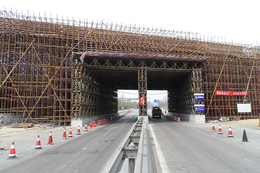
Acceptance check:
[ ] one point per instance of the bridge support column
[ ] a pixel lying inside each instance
(197, 88)
(142, 90)
(197, 80)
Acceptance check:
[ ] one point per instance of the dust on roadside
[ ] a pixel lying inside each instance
(249, 123)
(6, 131)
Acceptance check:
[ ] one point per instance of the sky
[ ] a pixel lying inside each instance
(152, 95)
(234, 21)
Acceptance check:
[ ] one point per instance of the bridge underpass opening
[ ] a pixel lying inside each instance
(128, 99)
(102, 76)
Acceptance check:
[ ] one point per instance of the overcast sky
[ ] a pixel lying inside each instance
(236, 20)
(152, 95)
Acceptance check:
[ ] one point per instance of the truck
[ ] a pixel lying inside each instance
(157, 112)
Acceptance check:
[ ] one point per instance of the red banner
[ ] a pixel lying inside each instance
(230, 93)
(141, 101)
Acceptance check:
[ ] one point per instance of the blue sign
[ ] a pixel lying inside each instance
(156, 101)
(199, 107)
(198, 96)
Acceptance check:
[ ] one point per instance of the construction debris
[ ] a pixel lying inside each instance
(3, 148)
(21, 125)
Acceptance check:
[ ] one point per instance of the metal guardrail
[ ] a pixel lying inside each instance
(143, 159)
(135, 155)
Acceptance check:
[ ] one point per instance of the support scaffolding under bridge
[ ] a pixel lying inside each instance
(43, 79)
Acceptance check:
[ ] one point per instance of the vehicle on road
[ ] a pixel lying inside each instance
(157, 112)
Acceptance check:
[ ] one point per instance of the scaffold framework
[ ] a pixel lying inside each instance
(44, 78)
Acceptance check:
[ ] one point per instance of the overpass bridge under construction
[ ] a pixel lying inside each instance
(53, 70)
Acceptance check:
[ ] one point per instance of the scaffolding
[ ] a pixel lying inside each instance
(43, 79)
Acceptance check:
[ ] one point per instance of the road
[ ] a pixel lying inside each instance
(177, 147)
(190, 147)
(88, 153)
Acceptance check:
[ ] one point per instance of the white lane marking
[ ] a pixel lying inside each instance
(247, 160)
(161, 158)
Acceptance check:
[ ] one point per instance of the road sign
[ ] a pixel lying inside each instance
(198, 96)
(243, 107)
(199, 107)
(156, 101)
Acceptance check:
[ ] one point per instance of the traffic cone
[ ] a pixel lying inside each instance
(93, 124)
(70, 133)
(213, 128)
(38, 143)
(179, 119)
(219, 129)
(98, 124)
(86, 127)
(101, 121)
(78, 131)
(64, 134)
(244, 139)
(12, 151)
(50, 139)
(230, 134)
(111, 118)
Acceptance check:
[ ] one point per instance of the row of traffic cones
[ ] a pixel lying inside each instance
(230, 133)
(178, 119)
(12, 153)
(50, 141)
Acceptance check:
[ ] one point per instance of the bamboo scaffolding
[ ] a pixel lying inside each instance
(40, 76)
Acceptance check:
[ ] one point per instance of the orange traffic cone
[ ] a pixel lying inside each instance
(98, 124)
(94, 124)
(78, 132)
(86, 127)
(70, 133)
(213, 128)
(64, 134)
(50, 139)
(12, 151)
(101, 121)
(111, 118)
(219, 129)
(230, 134)
(179, 119)
(38, 143)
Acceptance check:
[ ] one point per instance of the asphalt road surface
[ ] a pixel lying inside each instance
(88, 153)
(191, 147)
(177, 147)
